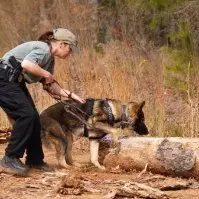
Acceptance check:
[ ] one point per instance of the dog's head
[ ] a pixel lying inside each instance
(136, 118)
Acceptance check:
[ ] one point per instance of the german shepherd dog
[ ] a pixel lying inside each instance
(94, 119)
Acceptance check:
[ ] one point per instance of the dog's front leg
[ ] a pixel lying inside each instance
(94, 151)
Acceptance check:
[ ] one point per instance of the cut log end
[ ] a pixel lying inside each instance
(175, 157)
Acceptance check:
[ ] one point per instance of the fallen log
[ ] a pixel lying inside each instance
(175, 156)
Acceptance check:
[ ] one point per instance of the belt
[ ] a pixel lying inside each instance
(3, 65)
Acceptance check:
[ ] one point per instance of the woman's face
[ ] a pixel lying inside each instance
(64, 50)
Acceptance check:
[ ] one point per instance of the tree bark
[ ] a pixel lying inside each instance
(175, 156)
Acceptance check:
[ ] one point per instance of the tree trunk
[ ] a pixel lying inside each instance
(175, 156)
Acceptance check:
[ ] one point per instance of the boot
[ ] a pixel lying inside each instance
(41, 166)
(14, 165)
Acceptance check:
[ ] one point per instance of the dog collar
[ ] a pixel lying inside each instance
(109, 112)
(125, 114)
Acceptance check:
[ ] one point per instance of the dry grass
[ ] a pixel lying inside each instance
(119, 72)
(122, 73)
(123, 70)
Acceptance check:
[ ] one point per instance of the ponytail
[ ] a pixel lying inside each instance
(46, 37)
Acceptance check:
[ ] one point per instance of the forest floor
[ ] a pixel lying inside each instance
(90, 183)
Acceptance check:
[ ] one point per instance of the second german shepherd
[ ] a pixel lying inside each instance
(106, 116)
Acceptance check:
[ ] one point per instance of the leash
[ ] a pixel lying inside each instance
(67, 107)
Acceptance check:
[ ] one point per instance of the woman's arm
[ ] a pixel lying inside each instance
(49, 83)
(36, 70)
(55, 89)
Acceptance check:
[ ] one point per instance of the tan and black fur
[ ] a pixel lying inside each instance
(58, 125)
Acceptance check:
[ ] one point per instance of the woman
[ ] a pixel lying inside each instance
(31, 62)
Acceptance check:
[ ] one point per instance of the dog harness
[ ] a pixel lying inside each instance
(124, 116)
(88, 109)
(108, 111)
(124, 111)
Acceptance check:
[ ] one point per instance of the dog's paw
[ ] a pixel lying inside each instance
(101, 167)
(64, 166)
(77, 165)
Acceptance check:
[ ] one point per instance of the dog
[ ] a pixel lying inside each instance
(94, 119)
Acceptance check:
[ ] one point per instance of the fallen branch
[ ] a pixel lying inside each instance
(176, 186)
(134, 189)
(143, 171)
(4, 136)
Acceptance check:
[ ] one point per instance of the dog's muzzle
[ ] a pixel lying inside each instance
(140, 128)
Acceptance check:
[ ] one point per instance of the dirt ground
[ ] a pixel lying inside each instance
(90, 183)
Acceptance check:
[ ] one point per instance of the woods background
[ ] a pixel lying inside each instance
(131, 50)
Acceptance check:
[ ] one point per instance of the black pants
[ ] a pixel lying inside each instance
(16, 101)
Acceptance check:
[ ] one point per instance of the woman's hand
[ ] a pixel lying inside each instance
(77, 98)
(67, 93)
(48, 77)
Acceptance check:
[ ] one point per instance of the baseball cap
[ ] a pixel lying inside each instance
(62, 34)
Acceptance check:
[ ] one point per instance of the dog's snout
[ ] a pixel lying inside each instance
(139, 127)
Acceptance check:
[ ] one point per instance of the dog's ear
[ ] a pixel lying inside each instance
(140, 106)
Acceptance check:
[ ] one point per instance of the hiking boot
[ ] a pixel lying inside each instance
(42, 166)
(14, 165)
